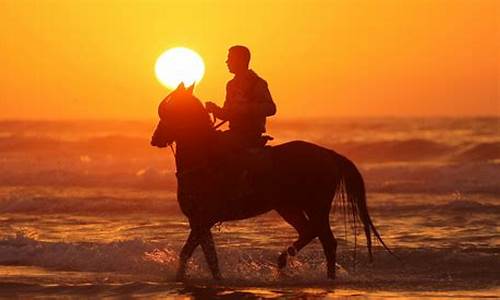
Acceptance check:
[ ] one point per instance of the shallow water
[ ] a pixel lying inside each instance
(94, 214)
(452, 246)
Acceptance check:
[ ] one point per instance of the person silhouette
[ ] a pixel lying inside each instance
(248, 101)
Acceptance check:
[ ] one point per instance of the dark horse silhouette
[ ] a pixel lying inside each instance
(301, 185)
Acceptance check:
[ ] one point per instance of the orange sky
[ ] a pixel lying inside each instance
(95, 59)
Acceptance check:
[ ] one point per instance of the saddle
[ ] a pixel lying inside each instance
(234, 152)
(240, 168)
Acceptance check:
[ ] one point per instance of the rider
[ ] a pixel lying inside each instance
(248, 101)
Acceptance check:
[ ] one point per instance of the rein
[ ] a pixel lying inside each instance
(222, 122)
(214, 120)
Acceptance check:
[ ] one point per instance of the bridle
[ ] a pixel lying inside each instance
(214, 120)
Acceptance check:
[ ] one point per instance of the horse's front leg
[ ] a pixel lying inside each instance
(208, 246)
(191, 243)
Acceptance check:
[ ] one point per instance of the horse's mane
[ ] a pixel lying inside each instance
(200, 113)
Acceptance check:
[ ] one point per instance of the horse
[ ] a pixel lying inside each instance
(301, 185)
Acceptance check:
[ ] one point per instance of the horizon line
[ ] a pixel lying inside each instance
(286, 119)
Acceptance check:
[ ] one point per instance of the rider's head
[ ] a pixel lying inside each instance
(238, 59)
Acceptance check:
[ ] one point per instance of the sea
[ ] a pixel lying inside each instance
(88, 210)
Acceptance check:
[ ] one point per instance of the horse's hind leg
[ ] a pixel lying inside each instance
(321, 222)
(298, 220)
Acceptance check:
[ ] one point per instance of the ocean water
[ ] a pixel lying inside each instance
(88, 209)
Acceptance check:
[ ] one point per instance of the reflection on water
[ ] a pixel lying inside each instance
(153, 290)
(446, 244)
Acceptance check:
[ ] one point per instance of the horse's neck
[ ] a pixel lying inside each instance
(193, 152)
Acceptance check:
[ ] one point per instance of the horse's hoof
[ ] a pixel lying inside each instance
(180, 277)
(218, 277)
(282, 260)
(331, 275)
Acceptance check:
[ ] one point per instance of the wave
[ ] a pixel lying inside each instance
(126, 146)
(252, 266)
(90, 205)
(396, 150)
(122, 256)
(110, 144)
(452, 207)
(389, 179)
(411, 165)
(87, 171)
(165, 204)
(416, 150)
(480, 152)
(142, 178)
(480, 177)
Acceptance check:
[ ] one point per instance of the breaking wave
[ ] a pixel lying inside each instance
(451, 207)
(249, 266)
(480, 152)
(374, 151)
(120, 161)
(167, 204)
(91, 205)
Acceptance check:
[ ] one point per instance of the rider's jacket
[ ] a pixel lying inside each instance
(248, 103)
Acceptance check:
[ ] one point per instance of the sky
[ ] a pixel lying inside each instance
(354, 58)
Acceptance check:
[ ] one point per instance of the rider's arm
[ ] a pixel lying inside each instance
(220, 113)
(225, 112)
(263, 104)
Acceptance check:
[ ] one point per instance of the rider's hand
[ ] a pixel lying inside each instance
(211, 107)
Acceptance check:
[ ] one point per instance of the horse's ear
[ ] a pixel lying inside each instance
(190, 89)
(181, 87)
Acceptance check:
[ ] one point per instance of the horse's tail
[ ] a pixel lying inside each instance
(353, 192)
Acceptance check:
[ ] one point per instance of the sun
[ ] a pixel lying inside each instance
(178, 65)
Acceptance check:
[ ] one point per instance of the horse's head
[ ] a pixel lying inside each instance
(182, 115)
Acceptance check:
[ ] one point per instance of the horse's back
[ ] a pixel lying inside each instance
(302, 170)
(303, 155)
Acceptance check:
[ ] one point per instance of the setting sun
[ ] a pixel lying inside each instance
(178, 65)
